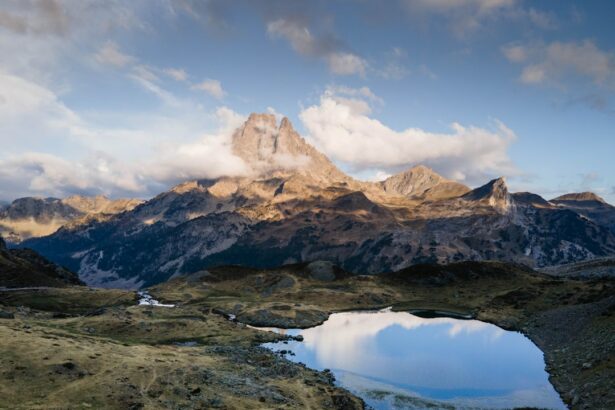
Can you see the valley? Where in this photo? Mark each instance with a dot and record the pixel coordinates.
(336, 205)
(99, 348)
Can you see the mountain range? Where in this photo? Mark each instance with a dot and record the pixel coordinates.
(297, 206)
(33, 217)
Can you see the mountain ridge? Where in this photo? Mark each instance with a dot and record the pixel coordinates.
(305, 208)
(36, 216)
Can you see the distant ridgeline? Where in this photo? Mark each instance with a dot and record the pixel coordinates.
(296, 206)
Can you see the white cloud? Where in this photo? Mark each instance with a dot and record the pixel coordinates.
(380, 175)
(554, 62)
(346, 64)
(147, 81)
(464, 16)
(177, 74)
(299, 36)
(145, 72)
(209, 156)
(359, 100)
(301, 39)
(360, 142)
(48, 174)
(478, 6)
(212, 87)
(515, 53)
(110, 54)
(542, 19)
(278, 115)
(533, 74)
(51, 150)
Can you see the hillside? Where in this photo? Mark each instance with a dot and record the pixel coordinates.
(25, 268)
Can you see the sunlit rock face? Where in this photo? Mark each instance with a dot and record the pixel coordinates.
(295, 205)
(270, 148)
(395, 357)
(421, 182)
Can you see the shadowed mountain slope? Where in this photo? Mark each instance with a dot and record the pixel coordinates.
(26, 268)
(589, 205)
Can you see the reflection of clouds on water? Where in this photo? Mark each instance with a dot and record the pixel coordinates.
(391, 358)
(471, 326)
(423, 361)
(345, 336)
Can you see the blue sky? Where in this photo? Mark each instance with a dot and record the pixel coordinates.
(126, 98)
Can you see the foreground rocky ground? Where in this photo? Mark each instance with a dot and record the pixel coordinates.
(81, 348)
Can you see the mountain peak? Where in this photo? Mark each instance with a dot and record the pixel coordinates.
(268, 147)
(412, 182)
(422, 181)
(286, 124)
(495, 193)
(580, 197)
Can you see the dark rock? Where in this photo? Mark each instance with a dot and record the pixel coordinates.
(6, 315)
(322, 270)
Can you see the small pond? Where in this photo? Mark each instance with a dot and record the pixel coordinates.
(401, 361)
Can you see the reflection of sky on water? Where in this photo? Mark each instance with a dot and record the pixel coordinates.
(465, 361)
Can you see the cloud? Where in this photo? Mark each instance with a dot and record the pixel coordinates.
(73, 155)
(359, 100)
(44, 38)
(46, 174)
(533, 74)
(349, 136)
(326, 47)
(395, 65)
(305, 25)
(212, 14)
(515, 53)
(35, 17)
(342, 63)
(210, 156)
(554, 62)
(542, 19)
(463, 16)
(177, 74)
(212, 87)
(147, 81)
(110, 54)
(144, 75)
(594, 101)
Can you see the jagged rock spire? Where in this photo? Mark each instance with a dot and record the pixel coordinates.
(268, 148)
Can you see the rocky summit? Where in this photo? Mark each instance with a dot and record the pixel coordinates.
(297, 206)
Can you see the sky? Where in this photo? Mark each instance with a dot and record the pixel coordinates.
(128, 98)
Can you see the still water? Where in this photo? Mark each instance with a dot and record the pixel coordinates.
(401, 361)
